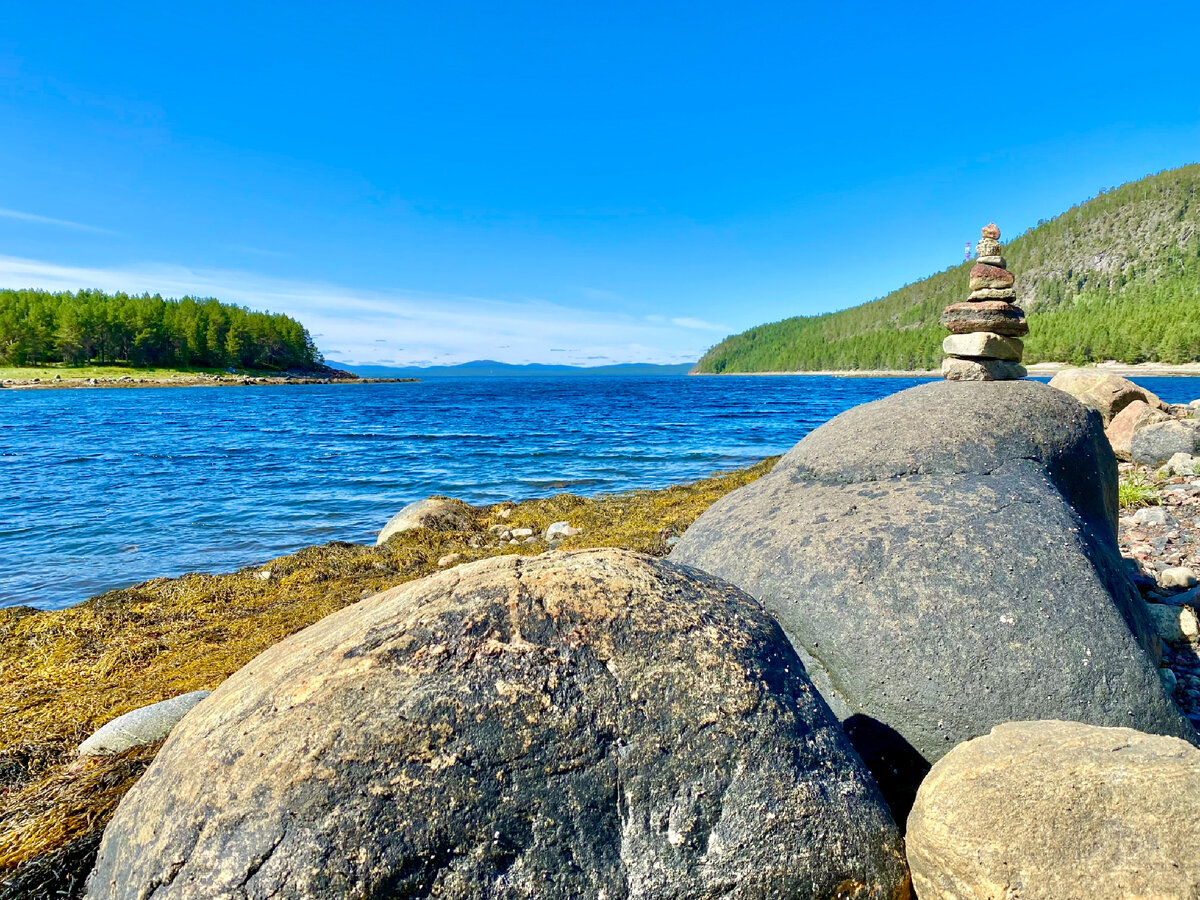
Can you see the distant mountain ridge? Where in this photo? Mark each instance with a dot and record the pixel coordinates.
(491, 368)
(1116, 277)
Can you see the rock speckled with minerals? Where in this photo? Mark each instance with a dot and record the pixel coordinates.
(945, 560)
(581, 724)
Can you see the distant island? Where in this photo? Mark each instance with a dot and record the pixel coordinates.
(92, 328)
(488, 367)
(1114, 278)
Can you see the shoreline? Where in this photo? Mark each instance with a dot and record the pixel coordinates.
(186, 380)
(1127, 370)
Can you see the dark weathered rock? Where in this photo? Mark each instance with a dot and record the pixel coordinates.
(981, 369)
(995, 316)
(1059, 811)
(1104, 392)
(944, 560)
(985, 276)
(1154, 444)
(588, 724)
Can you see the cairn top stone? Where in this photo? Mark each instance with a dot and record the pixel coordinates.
(988, 247)
(991, 230)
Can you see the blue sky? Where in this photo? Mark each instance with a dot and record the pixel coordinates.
(560, 182)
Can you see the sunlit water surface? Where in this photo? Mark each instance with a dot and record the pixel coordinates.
(100, 489)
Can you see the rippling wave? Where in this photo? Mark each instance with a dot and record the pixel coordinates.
(105, 488)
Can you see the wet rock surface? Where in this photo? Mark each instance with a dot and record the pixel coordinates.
(945, 560)
(586, 724)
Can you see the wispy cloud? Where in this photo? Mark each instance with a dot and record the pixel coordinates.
(350, 321)
(46, 220)
(685, 322)
(699, 325)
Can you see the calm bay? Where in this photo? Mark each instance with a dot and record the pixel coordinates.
(105, 488)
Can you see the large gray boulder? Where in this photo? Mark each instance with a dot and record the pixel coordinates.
(945, 560)
(1155, 444)
(588, 724)
(1059, 811)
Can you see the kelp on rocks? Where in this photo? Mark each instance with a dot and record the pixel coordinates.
(65, 673)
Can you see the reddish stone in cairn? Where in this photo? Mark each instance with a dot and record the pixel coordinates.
(991, 230)
(995, 316)
(985, 276)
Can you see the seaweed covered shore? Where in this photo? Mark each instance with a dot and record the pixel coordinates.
(65, 673)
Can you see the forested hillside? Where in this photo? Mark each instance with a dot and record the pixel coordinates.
(38, 327)
(1117, 277)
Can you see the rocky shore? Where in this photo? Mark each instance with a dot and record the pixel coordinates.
(958, 632)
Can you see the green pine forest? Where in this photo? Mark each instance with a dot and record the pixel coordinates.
(1116, 277)
(92, 327)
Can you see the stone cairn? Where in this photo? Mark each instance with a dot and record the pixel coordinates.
(985, 332)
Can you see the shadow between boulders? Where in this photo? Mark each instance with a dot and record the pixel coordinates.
(897, 766)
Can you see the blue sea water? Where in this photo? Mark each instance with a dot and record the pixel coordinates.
(100, 489)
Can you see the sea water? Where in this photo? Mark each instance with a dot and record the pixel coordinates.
(103, 488)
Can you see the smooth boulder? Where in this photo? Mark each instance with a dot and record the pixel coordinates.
(944, 560)
(958, 369)
(1060, 811)
(1127, 422)
(434, 513)
(984, 343)
(1104, 392)
(141, 726)
(1155, 444)
(588, 724)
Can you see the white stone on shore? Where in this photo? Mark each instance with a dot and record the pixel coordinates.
(436, 513)
(1177, 577)
(559, 530)
(1150, 515)
(141, 726)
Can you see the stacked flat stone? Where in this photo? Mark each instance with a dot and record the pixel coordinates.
(985, 332)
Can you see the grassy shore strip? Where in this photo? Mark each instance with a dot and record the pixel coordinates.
(65, 673)
(63, 376)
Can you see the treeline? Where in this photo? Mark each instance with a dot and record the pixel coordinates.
(92, 327)
(1117, 277)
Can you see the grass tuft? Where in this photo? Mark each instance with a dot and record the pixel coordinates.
(1136, 489)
